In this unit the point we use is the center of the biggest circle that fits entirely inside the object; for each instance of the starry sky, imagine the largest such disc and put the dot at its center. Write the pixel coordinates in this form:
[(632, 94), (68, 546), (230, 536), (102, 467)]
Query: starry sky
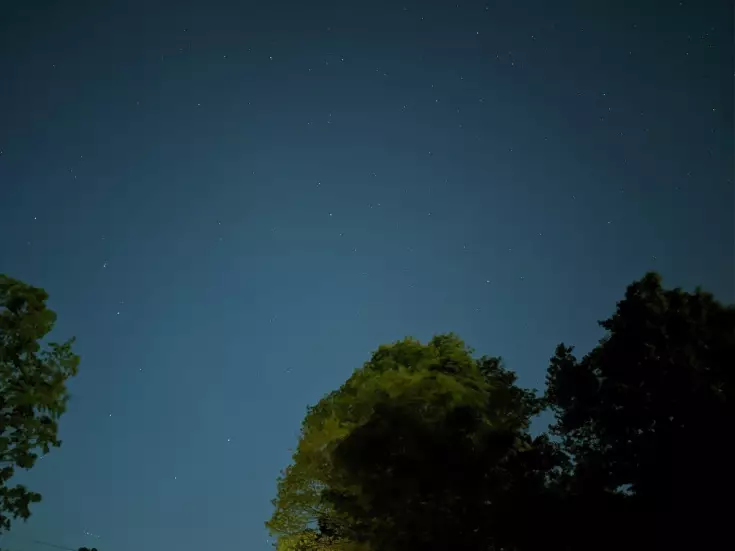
[(231, 204)]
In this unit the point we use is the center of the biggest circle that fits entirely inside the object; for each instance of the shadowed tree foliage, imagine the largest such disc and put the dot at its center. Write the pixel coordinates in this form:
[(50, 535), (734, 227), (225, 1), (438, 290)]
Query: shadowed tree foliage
[(645, 416), (424, 448), (33, 391)]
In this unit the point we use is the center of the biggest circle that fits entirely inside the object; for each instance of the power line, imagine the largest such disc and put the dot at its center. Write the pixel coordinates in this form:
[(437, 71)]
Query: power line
[(47, 544)]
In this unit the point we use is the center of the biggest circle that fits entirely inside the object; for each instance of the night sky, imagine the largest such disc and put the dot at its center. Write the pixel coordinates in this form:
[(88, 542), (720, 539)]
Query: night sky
[(231, 204)]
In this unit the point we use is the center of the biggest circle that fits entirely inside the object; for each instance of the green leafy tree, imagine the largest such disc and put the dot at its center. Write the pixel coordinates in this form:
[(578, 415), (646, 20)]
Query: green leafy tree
[(33, 392), (646, 416), (425, 448), (313, 540)]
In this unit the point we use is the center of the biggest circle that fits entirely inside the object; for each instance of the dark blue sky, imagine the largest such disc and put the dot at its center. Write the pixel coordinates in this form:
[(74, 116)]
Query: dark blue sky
[(231, 204)]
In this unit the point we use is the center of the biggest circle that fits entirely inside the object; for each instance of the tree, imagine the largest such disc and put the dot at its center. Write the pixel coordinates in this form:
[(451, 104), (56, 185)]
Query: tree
[(425, 448), (646, 417), (33, 392), (313, 540)]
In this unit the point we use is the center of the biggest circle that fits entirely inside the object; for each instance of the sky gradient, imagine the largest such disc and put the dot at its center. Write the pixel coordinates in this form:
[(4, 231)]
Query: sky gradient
[(231, 204)]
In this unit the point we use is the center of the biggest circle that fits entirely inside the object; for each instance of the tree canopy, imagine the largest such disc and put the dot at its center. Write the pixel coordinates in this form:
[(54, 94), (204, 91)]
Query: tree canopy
[(645, 413), (33, 392), (417, 450), (426, 448)]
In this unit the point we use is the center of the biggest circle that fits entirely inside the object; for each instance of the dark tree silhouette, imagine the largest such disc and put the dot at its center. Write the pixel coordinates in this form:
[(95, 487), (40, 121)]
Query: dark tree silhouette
[(645, 416), (32, 390)]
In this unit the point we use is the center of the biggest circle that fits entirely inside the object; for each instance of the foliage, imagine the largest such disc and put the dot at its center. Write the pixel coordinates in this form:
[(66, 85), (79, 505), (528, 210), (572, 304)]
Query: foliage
[(425, 448), (33, 392), (312, 540), (419, 442), (645, 413)]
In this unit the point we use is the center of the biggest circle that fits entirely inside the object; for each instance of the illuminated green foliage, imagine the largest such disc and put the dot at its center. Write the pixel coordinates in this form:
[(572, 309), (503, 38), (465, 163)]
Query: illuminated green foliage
[(417, 434)]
